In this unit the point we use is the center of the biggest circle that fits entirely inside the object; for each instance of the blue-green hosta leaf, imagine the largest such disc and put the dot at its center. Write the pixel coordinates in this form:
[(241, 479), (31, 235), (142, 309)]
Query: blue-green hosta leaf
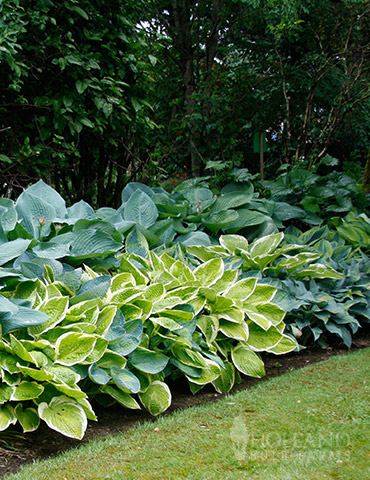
[(285, 345), (194, 238), (72, 348), (141, 209), (55, 309), (208, 273), (148, 361), (13, 249), (121, 397), (99, 375), (125, 380), (132, 188), (225, 382), (7, 416), (27, 391), (91, 244), (33, 212), (52, 250), (111, 359), (232, 200), (247, 361), (246, 218), (80, 210), (94, 288), (28, 418), (65, 416), (157, 398), (319, 270), (8, 219), (220, 219), (48, 195), (198, 196)]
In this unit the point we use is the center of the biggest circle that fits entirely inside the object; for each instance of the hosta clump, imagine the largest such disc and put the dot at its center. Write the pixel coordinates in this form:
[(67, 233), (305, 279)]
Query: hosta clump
[(117, 338), (322, 288)]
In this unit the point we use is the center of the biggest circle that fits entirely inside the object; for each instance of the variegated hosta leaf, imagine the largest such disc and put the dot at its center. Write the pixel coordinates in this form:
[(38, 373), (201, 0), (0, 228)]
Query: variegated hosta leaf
[(28, 418), (208, 273), (72, 348), (210, 372), (225, 382), (265, 245), (247, 362), (234, 243), (286, 345), (65, 416), (157, 398), (260, 339), (242, 289), (56, 309), (7, 416), (121, 397)]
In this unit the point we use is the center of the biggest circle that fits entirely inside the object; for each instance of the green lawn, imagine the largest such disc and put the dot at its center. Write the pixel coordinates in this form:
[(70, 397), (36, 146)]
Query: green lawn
[(309, 424)]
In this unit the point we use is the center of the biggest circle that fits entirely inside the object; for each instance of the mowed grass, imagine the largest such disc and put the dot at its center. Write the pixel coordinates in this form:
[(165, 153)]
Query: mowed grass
[(311, 424)]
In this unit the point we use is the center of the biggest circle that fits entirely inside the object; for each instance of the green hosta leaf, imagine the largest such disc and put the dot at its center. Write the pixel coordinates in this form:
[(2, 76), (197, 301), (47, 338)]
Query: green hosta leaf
[(166, 322), (105, 319), (234, 243), (226, 281), (208, 273), (6, 392), (64, 374), (7, 416), (125, 380), (195, 238), (28, 418), (72, 348), (157, 398), (27, 391), (209, 373), (231, 200), (238, 331), (148, 361), (13, 249), (286, 345), (188, 357), (111, 359), (55, 309), (129, 267), (220, 219), (225, 382), (262, 294), (121, 397), (122, 280), (266, 245), (247, 362), (65, 416), (319, 270), (141, 209), (260, 340), (20, 350)]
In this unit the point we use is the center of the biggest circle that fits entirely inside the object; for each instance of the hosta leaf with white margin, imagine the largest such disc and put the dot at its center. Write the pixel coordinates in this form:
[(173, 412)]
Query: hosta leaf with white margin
[(242, 289), (260, 339), (209, 325), (238, 331), (265, 245), (293, 262), (225, 382), (73, 348), (141, 209), (148, 361), (27, 391), (188, 357), (286, 345), (209, 373), (234, 243), (105, 319), (28, 418), (157, 398), (247, 361), (7, 416), (262, 294), (318, 270), (208, 273), (125, 380), (65, 416), (6, 392), (55, 309)]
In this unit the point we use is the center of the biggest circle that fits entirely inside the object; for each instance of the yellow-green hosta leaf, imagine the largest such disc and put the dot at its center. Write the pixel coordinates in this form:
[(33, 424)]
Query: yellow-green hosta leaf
[(130, 311), (98, 351), (105, 319), (232, 315), (258, 318), (225, 382), (226, 281), (72, 348), (56, 309), (238, 331), (27, 391), (182, 272), (166, 322), (234, 243), (260, 340), (65, 416), (209, 272), (286, 345), (28, 418), (19, 350), (209, 373), (64, 374), (122, 280), (121, 397), (53, 291), (82, 307), (127, 295), (111, 359), (189, 357), (10, 362), (157, 398), (209, 325), (128, 267), (145, 306), (7, 416), (154, 292), (6, 392), (293, 262), (242, 289), (273, 312), (318, 270), (266, 245), (247, 361), (84, 403), (261, 294)]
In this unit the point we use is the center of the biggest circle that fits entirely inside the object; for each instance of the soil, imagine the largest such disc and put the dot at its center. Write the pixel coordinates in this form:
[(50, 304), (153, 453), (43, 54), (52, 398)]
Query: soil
[(45, 442)]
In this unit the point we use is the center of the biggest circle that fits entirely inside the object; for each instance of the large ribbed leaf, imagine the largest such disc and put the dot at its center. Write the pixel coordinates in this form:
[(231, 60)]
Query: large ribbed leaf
[(246, 218), (13, 249), (65, 416), (141, 209), (220, 219), (91, 243), (94, 288), (247, 362), (157, 398), (148, 361)]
